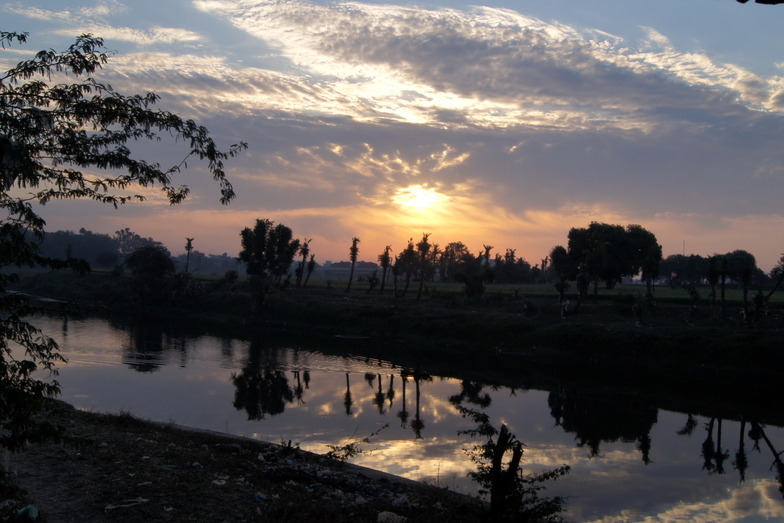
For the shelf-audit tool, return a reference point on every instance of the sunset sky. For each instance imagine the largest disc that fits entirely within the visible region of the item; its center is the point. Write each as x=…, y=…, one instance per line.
x=505, y=123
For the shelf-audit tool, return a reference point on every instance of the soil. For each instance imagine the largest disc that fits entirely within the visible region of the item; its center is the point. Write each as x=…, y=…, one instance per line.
x=120, y=468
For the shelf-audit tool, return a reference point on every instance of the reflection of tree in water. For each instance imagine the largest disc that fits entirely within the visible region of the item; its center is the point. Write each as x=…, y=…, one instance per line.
x=741, y=459
x=261, y=392
x=391, y=390
x=471, y=392
x=596, y=418
x=379, y=398
x=403, y=412
x=144, y=349
x=347, y=401
x=757, y=433
x=688, y=427
x=417, y=424
x=370, y=377
x=298, y=388
x=712, y=454
x=261, y=389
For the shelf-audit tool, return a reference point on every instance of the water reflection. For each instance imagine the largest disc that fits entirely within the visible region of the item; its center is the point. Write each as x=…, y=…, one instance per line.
x=630, y=458
x=595, y=418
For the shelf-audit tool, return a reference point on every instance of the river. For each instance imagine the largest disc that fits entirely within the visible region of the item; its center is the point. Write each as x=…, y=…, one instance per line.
x=630, y=460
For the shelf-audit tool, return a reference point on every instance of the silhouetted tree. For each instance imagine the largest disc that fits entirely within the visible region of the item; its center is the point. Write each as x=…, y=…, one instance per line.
x=385, y=261
x=406, y=264
x=423, y=250
x=353, y=251
x=742, y=266
x=514, y=496
x=646, y=255
x=69, y=140
x=128, y=241
x=268, y=251
x=777, y=274
x=304, y=251
x=188, y=249
x=564, y=268
x=152, y=270
x=450, y=260
x=713, y=275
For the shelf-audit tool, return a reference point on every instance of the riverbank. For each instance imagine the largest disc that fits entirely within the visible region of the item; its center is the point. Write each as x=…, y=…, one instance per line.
x=120, y=468
x=513, y=334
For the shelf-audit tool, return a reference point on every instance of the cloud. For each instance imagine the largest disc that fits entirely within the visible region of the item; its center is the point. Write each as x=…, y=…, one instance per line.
x=527, y=127
x=155, y=35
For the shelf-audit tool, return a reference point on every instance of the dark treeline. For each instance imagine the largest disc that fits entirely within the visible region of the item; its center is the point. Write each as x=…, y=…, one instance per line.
x=597, y=254
x=103, y=251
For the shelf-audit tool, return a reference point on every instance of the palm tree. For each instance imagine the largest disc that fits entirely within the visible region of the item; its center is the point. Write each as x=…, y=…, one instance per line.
x=188, y=249
x=385, y=260
x=353, y=251
x=304, y=250
x=423, y=248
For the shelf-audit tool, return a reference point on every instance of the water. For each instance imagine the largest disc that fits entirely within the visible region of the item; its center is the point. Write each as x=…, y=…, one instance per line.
x=628, y=461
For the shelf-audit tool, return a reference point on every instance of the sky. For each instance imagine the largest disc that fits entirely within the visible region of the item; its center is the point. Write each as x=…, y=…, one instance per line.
x=505, y=123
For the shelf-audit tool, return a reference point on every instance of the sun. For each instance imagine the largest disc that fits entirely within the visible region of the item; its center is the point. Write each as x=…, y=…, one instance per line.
x=419, y=198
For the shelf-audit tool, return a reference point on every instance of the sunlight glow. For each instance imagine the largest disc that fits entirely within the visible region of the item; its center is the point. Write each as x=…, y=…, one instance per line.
x=419, y=198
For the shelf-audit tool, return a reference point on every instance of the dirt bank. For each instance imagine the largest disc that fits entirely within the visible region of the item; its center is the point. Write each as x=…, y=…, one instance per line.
x=119, y=468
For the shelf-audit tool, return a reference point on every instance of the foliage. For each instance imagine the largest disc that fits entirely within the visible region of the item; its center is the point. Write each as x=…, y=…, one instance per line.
x=385, y=261
x=152, y=272
x=604, y=252
x=268, y=250
x=128, y=241
x=353, y=252
x=513, y=495
x=97, y=249
x=69, y=140
x=353, y=448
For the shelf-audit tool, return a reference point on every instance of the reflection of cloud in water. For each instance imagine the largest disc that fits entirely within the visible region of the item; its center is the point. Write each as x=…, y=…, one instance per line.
x=193, y=387
x=758, y=501
x=433, y=460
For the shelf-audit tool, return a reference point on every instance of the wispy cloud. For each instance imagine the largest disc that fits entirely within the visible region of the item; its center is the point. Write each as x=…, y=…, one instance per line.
x=524, y=126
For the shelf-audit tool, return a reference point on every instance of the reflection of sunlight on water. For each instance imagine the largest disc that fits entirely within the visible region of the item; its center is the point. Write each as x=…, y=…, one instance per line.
x=336, y=400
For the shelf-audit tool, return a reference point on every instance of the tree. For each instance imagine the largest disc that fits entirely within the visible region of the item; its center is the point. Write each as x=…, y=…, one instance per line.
x=405, y=263
x=188, y=249
x=97, y=249
x=514, y=496
x=304, y=250
x=777, y=274
x=423, y=249
x=311, y=268
x=152, y=270
x=450, y=259
x=564, y=268
x=268, y=250
x=385, y=261
x=742, y=266
x=70, y=141
x=353, y=251
x=646, y=255
x=609, y=252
